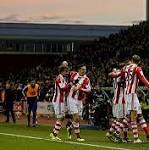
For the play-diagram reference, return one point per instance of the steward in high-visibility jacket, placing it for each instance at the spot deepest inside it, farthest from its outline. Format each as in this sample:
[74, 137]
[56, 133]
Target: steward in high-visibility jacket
[31, 93]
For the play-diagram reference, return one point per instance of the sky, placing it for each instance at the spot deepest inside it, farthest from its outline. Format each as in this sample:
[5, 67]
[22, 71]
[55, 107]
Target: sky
[98, 12]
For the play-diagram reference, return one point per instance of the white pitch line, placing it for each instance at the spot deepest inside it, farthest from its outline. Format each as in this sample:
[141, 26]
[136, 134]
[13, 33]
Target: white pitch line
[67, 142]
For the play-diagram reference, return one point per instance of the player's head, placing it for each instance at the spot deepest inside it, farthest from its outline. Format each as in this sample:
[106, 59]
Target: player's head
[33, 83]
[82, 69]
[7, 85]
[114, 70]
[65, 63]
[63, 70]
[136, 59]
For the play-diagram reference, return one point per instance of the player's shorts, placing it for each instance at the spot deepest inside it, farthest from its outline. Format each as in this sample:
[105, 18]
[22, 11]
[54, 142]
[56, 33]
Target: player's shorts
[119, 110]
[132, 103]
[75, 106]
[59, 109]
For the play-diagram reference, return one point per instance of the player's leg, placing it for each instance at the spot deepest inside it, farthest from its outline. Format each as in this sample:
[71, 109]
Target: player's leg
[122, 123]
[133, 116]
[76, 120]
[112, 129]
[118, 125]
[74, 110]
[7, 113]
[12, 114]
[59, 114]
[69, 118]
[126, 122]
[34, 110]
[56, 129]
[69, 126]
[143, 125]
[141, 120]
[113, 122]
[29, 103]
[132, 108]
[76, 127]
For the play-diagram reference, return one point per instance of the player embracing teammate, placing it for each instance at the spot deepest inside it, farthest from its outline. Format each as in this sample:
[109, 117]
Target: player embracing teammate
[119, 122]
[69, 86]
[80, 84]
[132, 73]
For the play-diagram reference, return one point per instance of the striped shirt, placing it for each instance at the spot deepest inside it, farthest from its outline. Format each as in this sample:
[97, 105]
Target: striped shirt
[60, 89]
[134, 74]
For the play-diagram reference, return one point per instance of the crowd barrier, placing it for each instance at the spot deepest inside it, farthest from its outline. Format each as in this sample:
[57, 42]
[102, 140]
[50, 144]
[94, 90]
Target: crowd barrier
[43, 108]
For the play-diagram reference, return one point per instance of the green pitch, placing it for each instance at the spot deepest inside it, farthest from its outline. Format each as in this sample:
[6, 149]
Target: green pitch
[20, 137]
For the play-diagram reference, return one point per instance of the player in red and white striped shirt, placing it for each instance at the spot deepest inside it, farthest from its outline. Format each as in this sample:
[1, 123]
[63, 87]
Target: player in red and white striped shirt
[134, 74]
[58, 101]
[118, 108]
[81, 83]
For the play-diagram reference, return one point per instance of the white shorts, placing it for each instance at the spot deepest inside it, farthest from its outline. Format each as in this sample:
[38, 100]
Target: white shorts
[75, 106]
[133, 103]
[59, 109]
[119, 110]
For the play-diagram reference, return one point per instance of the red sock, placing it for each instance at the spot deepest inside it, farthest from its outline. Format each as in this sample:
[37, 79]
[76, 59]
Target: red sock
[146, 130]
[143, 125]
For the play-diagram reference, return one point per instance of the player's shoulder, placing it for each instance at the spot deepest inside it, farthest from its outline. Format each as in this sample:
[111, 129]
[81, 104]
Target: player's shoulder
[72, 72]
[86, 77]
[37, 85]
[138, 68]
[59, 77]
[28, 85]
[126, 67]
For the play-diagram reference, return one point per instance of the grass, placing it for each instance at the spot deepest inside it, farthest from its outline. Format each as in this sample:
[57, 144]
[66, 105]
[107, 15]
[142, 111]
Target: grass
[95, 137]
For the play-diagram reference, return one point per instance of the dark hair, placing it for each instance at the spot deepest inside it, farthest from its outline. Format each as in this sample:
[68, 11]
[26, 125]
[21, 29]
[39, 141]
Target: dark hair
[136, 59]
[81, 65]
[122, 64]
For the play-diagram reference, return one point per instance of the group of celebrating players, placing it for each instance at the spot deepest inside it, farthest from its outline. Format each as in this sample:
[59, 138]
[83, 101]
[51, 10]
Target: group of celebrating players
[71, 86]
[127, 113]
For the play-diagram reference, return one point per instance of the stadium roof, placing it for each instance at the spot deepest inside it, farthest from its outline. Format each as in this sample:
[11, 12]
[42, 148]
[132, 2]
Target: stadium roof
[56, 31]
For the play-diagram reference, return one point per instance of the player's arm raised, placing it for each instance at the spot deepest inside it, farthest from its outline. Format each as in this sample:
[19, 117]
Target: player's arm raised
[142, 77]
